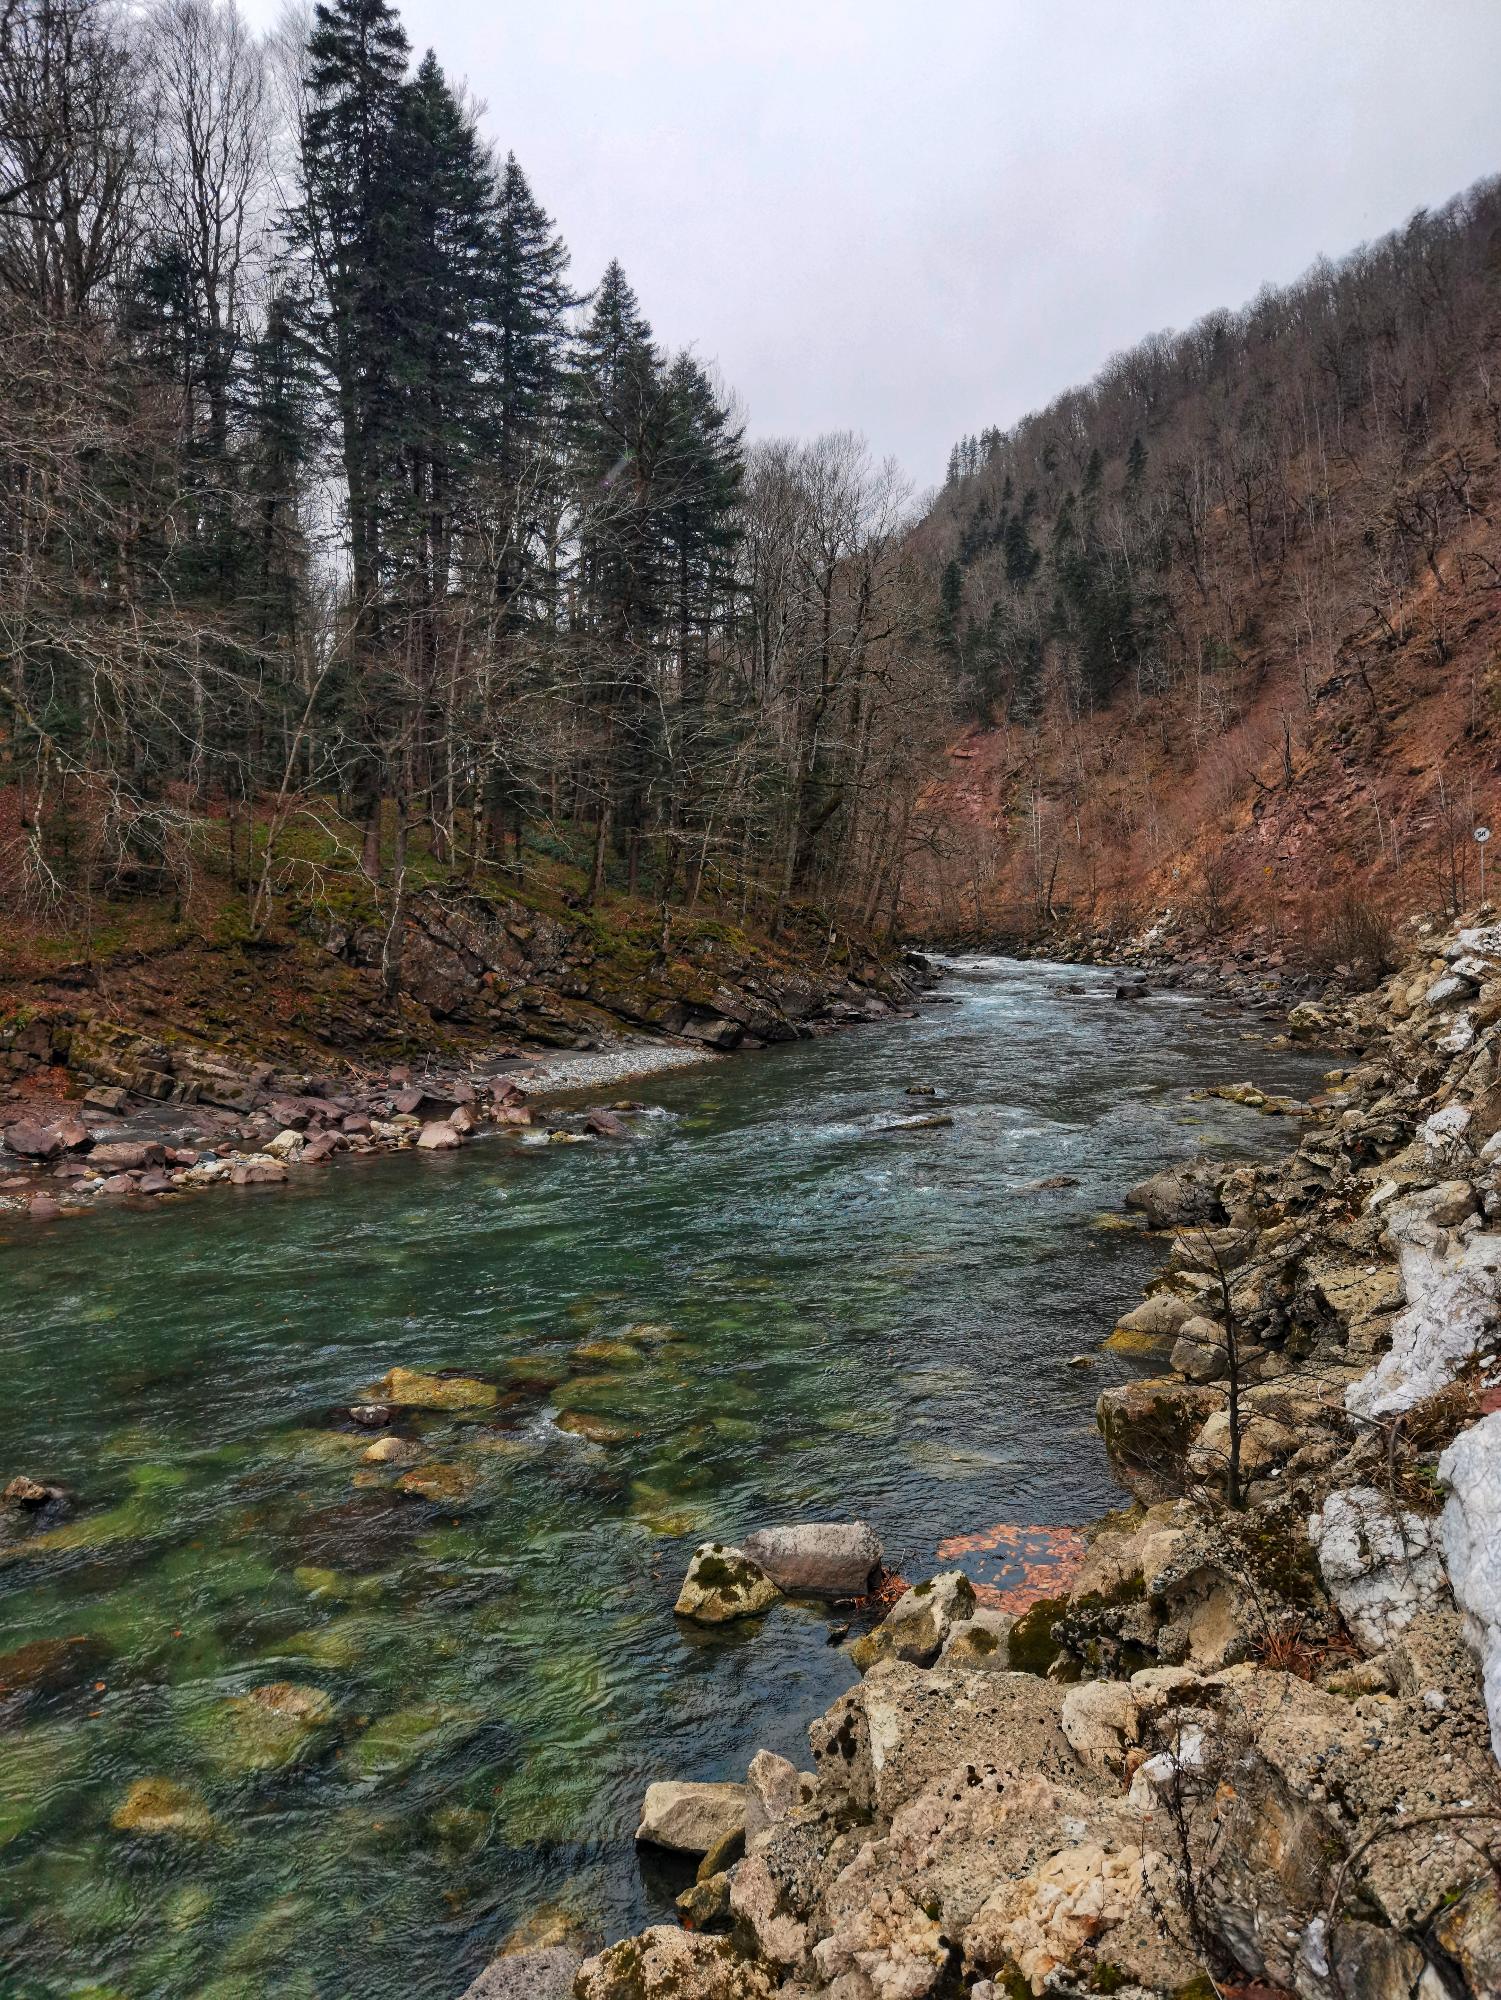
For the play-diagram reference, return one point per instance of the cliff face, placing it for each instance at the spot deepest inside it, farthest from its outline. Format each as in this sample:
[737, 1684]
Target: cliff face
[1248, 1750]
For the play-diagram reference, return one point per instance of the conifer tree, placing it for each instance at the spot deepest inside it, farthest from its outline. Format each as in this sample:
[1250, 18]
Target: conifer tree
[530, 303]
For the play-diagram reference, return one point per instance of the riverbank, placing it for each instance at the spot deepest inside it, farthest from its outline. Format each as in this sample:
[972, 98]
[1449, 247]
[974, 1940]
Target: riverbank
[196, 1065]
[786, 1297]
[1248, 1749]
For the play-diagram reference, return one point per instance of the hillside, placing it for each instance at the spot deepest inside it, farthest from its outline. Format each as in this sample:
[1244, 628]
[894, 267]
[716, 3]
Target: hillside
[1224, 624]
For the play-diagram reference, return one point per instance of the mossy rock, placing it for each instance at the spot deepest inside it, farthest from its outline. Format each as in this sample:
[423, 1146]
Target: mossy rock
[410, 1389]
[1031, 1645]
[723, 1584]
[584, 1424]
[443, 1485]
[163, 1809]
[269, 1729]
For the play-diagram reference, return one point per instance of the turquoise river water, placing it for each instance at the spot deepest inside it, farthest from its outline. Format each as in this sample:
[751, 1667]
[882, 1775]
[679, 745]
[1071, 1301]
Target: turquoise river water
[764, 1307]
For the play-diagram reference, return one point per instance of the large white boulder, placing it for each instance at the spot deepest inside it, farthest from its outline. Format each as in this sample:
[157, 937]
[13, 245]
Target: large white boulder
[1381, 1563]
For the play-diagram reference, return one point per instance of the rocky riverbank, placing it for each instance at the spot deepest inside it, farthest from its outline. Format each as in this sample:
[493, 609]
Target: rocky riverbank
[1251, 1749]
[152, 1082]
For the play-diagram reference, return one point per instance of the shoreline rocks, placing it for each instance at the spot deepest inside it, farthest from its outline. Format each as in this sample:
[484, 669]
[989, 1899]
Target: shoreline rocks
[1255, 1743]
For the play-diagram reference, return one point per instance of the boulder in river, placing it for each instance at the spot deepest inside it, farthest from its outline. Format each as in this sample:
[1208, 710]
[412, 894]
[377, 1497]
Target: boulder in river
[817, 1558]
[438, 1137]
[607, 1125]
[1178, 1197]
[689, 1818]
[916, 1626]
[722, 1584]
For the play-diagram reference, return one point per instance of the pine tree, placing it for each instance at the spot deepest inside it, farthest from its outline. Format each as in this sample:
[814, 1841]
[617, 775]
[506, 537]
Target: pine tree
[614, 422]
[530, 304]
[1136, 465]
[347, 224]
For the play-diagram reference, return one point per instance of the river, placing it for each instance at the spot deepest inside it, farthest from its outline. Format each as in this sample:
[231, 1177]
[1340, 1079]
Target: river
[767, 1305]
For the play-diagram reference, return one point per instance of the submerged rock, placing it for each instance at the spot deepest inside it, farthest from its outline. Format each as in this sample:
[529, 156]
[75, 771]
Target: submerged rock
[267, 1729]
[411, 1389]
[690, 1818]
[723, 1584]
[163, 1808]
[817, 1558]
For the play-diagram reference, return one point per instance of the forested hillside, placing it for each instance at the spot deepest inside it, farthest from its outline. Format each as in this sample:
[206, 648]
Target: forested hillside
[1226, 621]
[349, 539]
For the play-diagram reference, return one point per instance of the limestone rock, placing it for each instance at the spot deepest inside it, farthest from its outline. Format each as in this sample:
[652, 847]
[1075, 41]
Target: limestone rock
[979, 1643]
[1380, 1562]
[690, 1818]
[884, 1945]
[902, 1727]
[527, 1975]
[917, 1625]
[1179, 1197]
[669, 1964]
[773, 1789]
[1101, 1721]
[1470, 1528]
[1148, 1427]
[1159, 1318]
[723, 1584]
[817, 1558]
[1199, 1352]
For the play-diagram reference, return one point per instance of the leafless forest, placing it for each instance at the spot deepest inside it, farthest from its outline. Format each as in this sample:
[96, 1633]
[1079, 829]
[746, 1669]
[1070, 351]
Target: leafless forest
[349, 537]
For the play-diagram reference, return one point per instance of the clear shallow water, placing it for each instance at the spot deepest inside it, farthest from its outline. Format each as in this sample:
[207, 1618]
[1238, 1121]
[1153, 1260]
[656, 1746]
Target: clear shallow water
[779, 1311]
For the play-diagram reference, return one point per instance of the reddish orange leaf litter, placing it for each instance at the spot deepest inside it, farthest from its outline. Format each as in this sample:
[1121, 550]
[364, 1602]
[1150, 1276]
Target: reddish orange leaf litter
[1012, 1566]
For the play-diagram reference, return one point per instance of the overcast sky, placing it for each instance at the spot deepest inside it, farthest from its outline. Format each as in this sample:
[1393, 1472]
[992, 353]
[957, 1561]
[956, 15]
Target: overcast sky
[914, 218]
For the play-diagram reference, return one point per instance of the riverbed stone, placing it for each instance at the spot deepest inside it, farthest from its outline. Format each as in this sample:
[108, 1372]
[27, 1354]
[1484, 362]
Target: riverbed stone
[162, 1808]
[724, 1584]
[267, 1728]
[412, 1389]
[691, 1818]
[444, 1485]
[817, 1558]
